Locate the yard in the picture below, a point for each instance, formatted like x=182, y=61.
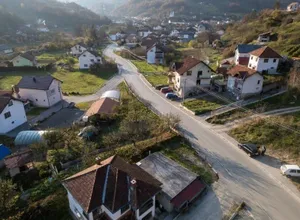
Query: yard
x=203, y=105
x=35, y=111
x=286, y=100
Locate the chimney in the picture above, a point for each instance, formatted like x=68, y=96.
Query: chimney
x=133, y=199
x=34, y=79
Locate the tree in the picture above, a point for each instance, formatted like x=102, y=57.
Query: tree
x=277, y=5
x=7, y=196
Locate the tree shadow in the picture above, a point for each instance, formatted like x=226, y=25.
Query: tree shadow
x=270, y=161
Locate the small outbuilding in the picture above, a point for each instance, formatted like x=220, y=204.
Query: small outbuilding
x=180, y=187
x=26, y=138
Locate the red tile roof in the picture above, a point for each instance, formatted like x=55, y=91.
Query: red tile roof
x=241, y=71
x=188, y=194
x=187, y=64
x=18, y=159
x=110, y=180
x=102, y=106
x=265, y=52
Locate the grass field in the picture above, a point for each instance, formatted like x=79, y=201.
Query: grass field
x=35, y=111
x=84, y=105
x=201, y=106
x=144, y=67
x=285, y=100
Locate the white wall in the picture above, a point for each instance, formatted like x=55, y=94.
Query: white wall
x=18, y=117
x=190, y=82
x=77, y=50
x=251, y=85
x=85, y=60
x=73, y=204
x=37, y=97
x=238, y=55
x=259, y=65
x=164, y=200
x=151, y=210
x=151, y=55
x=54, y=93
x=21, y=61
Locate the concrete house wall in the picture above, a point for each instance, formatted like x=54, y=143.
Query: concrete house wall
x=260, y=65
x=21, y=61
x=87, y=59
x=17, y=118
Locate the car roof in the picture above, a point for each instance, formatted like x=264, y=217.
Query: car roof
x=252, y=146
x=296, y=167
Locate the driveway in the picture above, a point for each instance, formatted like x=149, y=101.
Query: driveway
x=265, y=191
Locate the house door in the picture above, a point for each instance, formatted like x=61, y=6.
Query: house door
x=198, y=82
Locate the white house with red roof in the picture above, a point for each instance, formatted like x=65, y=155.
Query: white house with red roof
x=264, y=60
x=244, y=82
x=12, y=112
x=190, y=75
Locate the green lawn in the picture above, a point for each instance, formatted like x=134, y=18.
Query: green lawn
x=156, y=79
x=144, y=67
x=84, y=105
x=51, y=55
x=286, y=100
x=201, y=106
x=35, y=111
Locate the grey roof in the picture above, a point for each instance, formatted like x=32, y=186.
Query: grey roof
x=95, y=53
x=36, y=82
x=28, y=56
x=174, y=177
x=29, y=137
x=247, y=48
x=113, y=94
x=4, y=47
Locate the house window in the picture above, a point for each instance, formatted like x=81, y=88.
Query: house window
x=251, y=57
x=258, y=82
x=85, y=65
x=99, y=60
x=250, y=65
x=84, y=55
x=52, y=91
x=36, y=99
x=274, y=60
x=199, y=74
x=7, y=115
x=266, y=60
x=189, y=73
x=80, y=51
x=10, y=103
x=92, y=60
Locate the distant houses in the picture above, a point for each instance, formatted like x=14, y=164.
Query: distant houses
x=24, y=59
x=12, y=112
x=5, y=49
x=41, y=91
x=89, y=58
x=242, y=53
x=264, y=37
x=295, y=6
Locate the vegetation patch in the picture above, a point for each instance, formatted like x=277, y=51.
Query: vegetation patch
x=201, y=106
x=144, y=67
x=35, y=111
x=84, y=105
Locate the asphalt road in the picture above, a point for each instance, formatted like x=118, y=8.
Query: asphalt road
x=256, y=181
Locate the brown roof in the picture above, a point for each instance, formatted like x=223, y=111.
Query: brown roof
x=265, y=52
x=102, y=106
x=18, y=159
x=109, y=183
x=5, y=97
x=148, y=42
x=241, y=71
x=187, y=64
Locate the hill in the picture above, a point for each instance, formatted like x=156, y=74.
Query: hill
x=203, y=8
x=53, y=12
x=284, y=26
x=9, y=21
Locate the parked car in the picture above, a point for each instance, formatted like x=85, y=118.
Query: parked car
x=290, y=170
x=166, y=90
x=171, y=95
x=252, y=149
x=158, y=87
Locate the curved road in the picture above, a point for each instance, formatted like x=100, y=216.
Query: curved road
x=256, y=181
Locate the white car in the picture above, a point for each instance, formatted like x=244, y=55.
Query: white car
x=290, y=170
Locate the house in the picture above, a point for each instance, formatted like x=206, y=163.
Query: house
x=19, y=162
x=4, y=151
x=78, y=49
x=12, y=112
x=131, y=38
x=144, y=32
x=88, y=58
x=186, y=36
x=176, y=20
x=174, y=33
x=244, y=82
x=155, y=54
x=180, y=187
x=200, y=28
x=295, y=6
x=5, y=49
x=242, y=53
x=116, y=36
x=189, y=75
x=112, y=189
x=24, y=59
x=41, y=91
x=105, y=106
x=158, y=28
x=264, y=60
x=264, y=37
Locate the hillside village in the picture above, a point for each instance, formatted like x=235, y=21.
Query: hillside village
x=146, y=118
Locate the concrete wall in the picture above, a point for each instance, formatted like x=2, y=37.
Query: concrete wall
x=87, y=59
x=21, y=61
x=259, y=65
x=38, y=98
x=252, y=85
x=18, y=117
x=54, y=93
x=164, y=200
